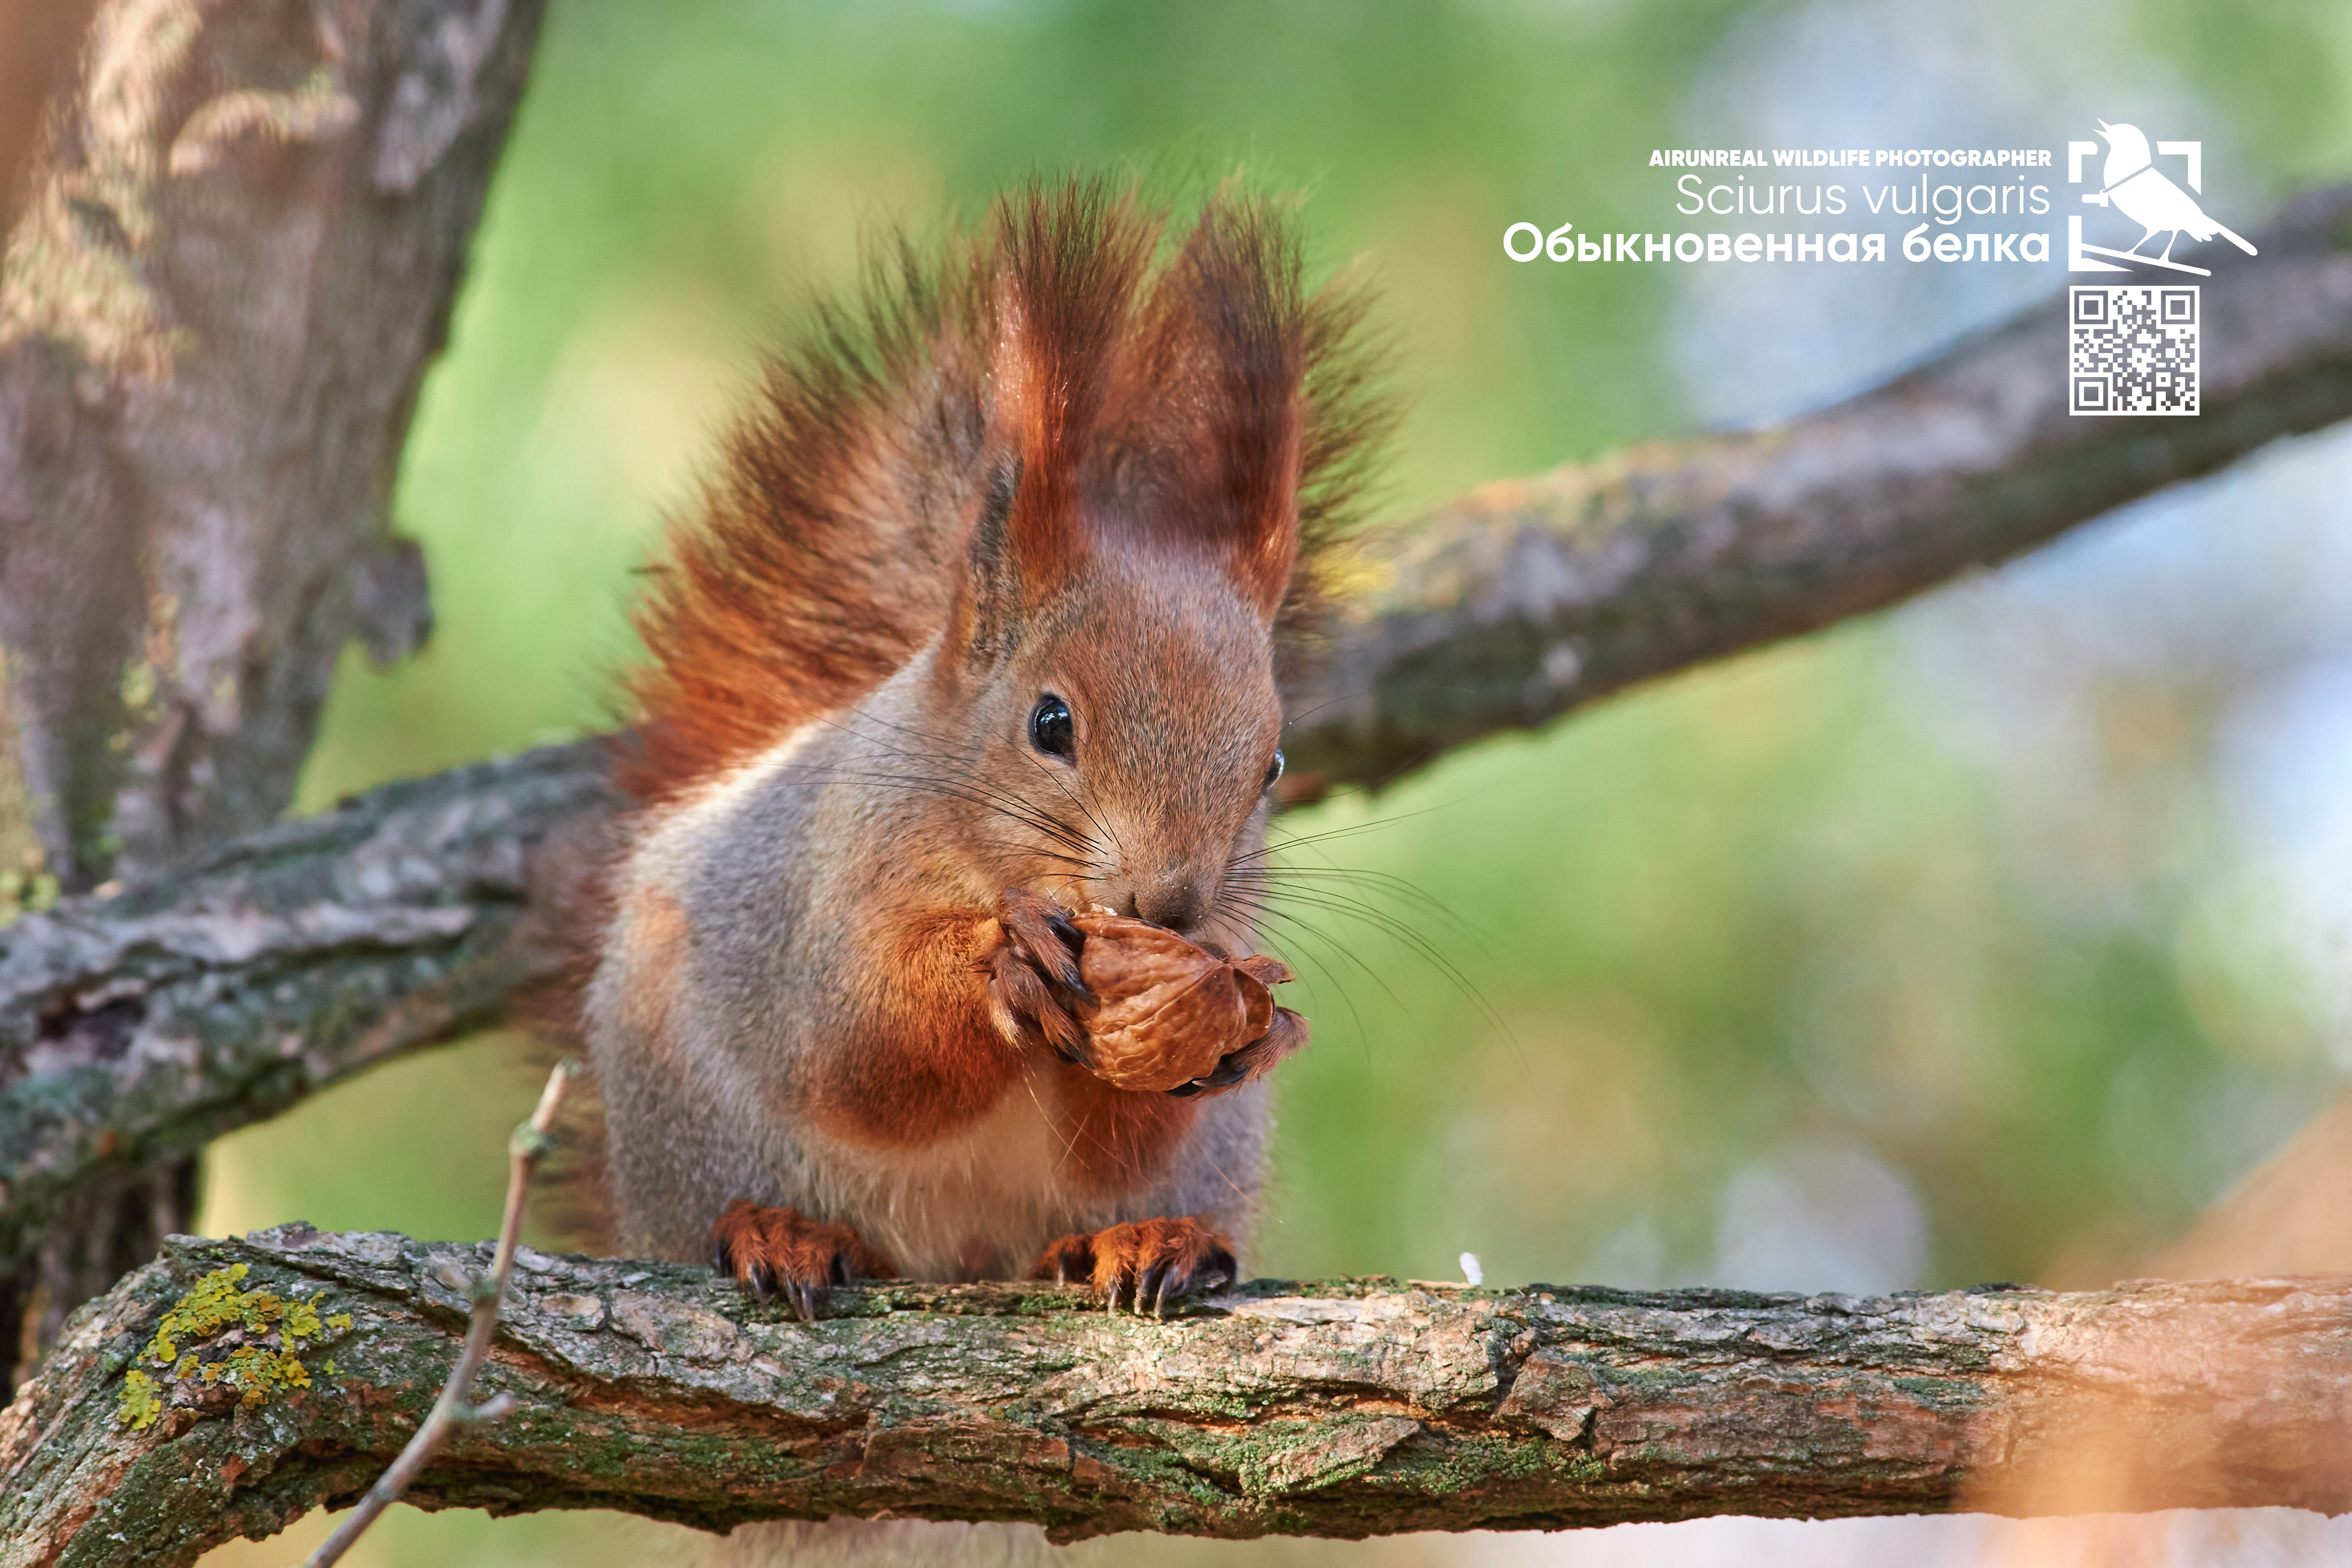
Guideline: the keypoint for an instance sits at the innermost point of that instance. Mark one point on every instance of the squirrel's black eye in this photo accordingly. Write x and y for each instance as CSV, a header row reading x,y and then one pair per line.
x,y
1049,727
1273,770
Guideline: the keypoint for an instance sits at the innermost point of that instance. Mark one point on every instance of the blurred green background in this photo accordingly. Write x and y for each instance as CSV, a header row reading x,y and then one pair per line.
x,y
1992,939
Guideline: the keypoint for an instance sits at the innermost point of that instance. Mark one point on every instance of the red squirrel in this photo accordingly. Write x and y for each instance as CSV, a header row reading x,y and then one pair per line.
x,y
974,633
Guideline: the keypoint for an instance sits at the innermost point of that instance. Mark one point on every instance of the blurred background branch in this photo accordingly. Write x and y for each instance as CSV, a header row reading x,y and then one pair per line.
x,y
1347,1408
1529,598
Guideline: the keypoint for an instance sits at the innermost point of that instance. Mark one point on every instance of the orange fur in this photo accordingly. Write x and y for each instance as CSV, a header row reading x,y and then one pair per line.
x,y
932,1060
1118,1141
1151,1259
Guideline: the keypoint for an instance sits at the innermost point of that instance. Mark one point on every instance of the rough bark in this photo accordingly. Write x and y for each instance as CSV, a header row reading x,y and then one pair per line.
x,y
235,262
1346,1408
144,1025
1531,597
232,258
39,42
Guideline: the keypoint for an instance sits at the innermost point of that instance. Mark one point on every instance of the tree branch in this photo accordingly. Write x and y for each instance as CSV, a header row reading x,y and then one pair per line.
x,y
1532,597
144,1022
1346,1408
261,971
531,1143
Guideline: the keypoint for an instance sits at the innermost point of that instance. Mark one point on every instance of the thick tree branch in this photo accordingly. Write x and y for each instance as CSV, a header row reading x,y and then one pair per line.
x,y
531,1142
149,1022
225,989
1343,1409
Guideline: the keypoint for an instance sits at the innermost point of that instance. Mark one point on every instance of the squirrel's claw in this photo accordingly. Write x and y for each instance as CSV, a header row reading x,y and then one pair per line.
x,y
1153,1282
1031,1010
782,1251
1156,1259
1033,977
1041,932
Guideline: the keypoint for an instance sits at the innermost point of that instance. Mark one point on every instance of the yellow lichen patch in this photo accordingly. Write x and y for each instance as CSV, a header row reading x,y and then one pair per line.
x,y
243,1340
141,1403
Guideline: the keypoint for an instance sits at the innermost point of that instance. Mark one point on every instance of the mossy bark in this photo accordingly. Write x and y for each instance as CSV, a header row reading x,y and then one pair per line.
x,y
1346,1408
266,969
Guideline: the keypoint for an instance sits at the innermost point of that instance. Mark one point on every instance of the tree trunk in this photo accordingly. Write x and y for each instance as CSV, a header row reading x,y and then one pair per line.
x,y
234,256
1347,1408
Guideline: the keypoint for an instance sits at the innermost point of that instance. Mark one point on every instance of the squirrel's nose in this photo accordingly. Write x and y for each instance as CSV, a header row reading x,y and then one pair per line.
x,y
1176,902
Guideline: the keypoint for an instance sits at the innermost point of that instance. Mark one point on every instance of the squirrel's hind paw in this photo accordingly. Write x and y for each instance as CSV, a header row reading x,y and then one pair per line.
x,y
1154,1260
785,1251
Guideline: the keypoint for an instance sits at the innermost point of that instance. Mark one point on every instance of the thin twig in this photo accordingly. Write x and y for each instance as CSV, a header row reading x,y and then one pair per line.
x,y
531,1143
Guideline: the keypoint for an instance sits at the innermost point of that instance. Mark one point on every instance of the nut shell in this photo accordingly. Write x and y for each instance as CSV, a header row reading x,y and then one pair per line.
x,y
1165,1012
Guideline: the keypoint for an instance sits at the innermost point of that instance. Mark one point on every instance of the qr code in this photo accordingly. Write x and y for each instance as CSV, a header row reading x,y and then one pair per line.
x,y
2132,351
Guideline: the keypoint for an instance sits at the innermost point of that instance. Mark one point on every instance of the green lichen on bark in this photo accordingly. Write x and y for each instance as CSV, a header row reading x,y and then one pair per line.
x,y
142,1401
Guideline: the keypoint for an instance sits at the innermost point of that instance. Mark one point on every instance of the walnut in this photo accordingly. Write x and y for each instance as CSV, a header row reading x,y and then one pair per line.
x,y
1167,1012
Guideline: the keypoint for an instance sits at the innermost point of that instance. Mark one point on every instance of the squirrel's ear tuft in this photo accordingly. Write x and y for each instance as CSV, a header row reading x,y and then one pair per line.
x,y
1202,401
1209,413
1241,272
1065,266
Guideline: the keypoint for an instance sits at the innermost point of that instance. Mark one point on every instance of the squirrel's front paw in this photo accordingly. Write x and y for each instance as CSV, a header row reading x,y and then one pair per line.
x,y
1155,1257
1032,975
782,1249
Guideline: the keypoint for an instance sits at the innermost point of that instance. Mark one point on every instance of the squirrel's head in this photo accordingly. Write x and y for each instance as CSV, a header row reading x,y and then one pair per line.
x,y
1122,751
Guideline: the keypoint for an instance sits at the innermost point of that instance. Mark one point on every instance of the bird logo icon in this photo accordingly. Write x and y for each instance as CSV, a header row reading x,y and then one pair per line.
x,y
2133,185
